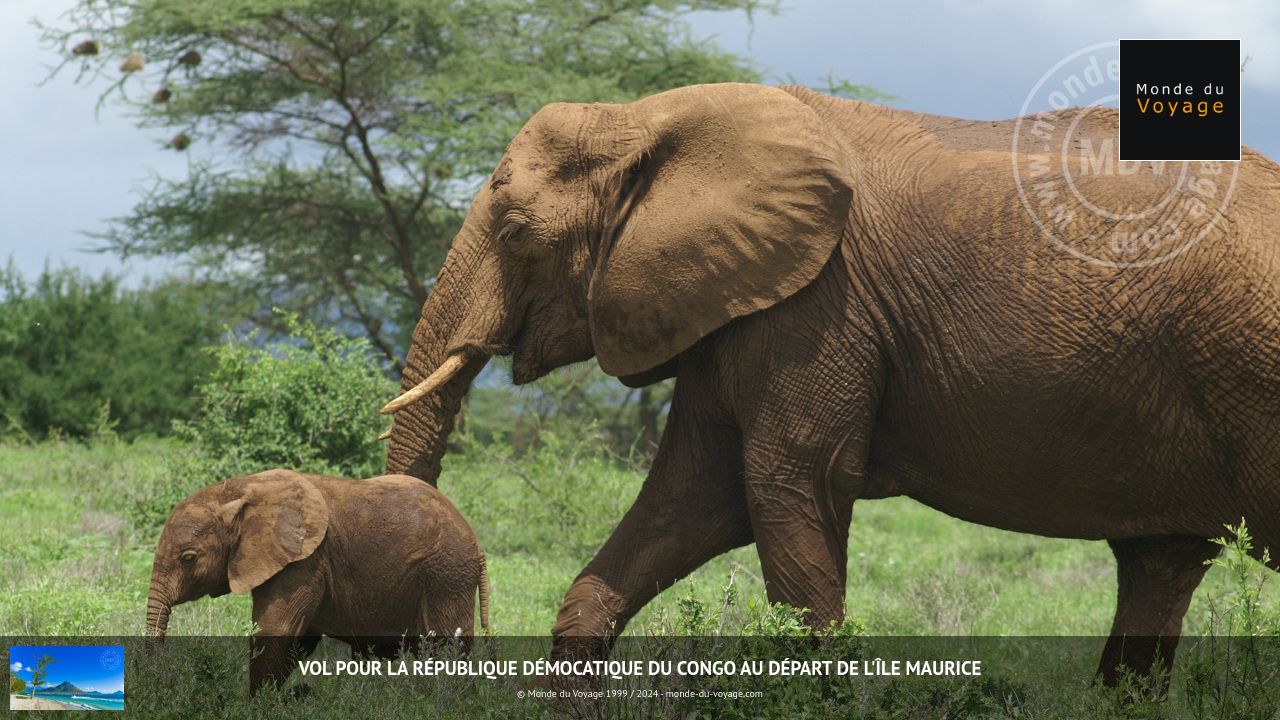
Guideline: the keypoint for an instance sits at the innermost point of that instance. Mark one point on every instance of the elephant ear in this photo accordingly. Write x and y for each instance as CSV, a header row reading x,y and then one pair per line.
x,y
733,200
276,517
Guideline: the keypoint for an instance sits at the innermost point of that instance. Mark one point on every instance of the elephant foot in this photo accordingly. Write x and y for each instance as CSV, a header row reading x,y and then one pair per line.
x,y
588,621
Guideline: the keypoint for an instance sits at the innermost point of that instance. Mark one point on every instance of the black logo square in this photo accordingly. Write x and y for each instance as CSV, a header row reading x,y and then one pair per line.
x,y
1179,99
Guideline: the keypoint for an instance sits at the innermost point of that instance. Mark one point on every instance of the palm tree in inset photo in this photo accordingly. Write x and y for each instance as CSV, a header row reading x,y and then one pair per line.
x,y
39,673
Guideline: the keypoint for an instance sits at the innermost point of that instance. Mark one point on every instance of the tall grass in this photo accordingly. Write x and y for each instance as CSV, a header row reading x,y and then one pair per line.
x,y
74,562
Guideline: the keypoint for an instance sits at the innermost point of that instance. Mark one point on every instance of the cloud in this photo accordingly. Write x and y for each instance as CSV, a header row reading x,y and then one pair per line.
x,y
1255,22
16,667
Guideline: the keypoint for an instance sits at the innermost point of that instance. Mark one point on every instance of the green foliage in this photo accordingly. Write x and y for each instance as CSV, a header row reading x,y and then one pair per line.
x,y
360,130
308,404
16,684
79,353
725,614
761,630
362,126
578,400
1244,609
775,619
570,496
189,678
72,563
1235,669
311,406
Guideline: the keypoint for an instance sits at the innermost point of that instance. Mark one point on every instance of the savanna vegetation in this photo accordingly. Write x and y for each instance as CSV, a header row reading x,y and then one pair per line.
x,y
334,144
75,348
357,130
79,520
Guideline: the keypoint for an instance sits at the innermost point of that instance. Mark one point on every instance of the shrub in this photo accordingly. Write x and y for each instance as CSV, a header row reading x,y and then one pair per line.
x,y
16,684
1233,669
564,493
71,344
573,400
309,403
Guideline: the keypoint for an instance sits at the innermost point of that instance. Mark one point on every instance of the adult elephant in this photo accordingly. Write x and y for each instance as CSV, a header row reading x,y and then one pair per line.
x,y
855,304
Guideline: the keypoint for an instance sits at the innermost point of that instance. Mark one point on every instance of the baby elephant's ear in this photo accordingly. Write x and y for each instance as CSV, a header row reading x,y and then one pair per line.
x,y
276,517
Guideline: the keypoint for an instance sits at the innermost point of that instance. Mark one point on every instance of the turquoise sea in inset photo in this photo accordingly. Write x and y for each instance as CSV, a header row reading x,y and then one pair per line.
x,y
74,677
90,702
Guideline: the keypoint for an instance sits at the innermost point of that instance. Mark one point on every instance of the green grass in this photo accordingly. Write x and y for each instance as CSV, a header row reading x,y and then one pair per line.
x,y
76,544
73,563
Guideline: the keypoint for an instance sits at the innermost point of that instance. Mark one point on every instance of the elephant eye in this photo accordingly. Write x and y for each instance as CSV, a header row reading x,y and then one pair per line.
x,y
188,557
509,233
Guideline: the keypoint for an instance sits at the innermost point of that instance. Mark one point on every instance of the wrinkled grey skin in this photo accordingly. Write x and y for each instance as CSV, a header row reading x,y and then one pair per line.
x,y
366,561
855,304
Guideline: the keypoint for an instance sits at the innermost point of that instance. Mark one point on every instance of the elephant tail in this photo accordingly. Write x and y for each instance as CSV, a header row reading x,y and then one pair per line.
x,y
483,592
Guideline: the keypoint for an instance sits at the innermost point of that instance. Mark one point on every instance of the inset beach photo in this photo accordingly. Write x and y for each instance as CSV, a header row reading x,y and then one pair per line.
x,y
66,677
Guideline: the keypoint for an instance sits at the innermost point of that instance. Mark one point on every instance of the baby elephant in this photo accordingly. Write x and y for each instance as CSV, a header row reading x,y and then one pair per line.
x,y
364,561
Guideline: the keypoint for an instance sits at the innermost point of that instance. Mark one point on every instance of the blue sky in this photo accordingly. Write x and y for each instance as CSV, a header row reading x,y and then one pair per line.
x,y
81,665
62,172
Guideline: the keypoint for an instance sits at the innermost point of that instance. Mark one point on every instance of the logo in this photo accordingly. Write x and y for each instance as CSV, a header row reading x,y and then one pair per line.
x,y
1082,196
1180,99
111,658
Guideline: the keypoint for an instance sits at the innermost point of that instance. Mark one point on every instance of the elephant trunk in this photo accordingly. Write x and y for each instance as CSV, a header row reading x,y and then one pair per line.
x,y
158,609
451,344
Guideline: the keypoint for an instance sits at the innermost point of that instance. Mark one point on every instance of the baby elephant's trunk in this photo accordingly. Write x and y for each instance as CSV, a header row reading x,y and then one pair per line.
x,y
157,615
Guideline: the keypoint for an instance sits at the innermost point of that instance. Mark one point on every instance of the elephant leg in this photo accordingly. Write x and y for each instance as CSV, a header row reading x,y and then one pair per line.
x,y
690,509
283,608
804,468
1156,578
301,650
274,658
801,527
449,615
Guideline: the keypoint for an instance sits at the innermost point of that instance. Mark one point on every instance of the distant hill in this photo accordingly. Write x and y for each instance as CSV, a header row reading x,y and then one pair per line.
x,y
95,693
62,688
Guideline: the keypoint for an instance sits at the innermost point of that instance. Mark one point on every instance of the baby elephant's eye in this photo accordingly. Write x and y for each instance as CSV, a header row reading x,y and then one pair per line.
x,y
188,557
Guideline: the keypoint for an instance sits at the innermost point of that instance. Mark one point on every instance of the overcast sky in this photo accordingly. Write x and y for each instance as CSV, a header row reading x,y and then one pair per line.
x,y
63,172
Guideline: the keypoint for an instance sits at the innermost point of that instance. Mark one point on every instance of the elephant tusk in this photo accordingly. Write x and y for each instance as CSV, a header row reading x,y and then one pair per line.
x,y
442,375
386,433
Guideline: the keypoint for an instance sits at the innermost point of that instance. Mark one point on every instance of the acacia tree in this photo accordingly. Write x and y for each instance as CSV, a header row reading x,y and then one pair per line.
x,y
335,142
